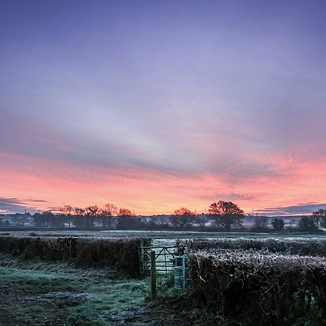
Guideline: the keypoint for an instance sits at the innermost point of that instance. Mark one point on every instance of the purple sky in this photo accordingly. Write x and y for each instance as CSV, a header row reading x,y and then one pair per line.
x,y
153,105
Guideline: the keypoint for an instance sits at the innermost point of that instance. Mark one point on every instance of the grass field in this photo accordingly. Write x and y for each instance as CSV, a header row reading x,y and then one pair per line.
x,y
162,235
43,293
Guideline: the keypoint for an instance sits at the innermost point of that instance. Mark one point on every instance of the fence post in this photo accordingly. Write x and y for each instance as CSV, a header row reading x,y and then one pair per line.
x,y
183,273
153,276
141,257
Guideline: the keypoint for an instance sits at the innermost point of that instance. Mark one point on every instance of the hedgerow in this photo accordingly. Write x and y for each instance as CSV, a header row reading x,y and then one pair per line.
x,y
301,247
115,253
261,288
262,281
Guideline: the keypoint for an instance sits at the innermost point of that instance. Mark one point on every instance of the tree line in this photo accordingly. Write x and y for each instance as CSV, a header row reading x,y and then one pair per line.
x,y
83,218
222,215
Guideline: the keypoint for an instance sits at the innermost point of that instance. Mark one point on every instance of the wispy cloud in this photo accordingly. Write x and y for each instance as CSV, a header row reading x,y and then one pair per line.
x,y
16,205
300,209
23,134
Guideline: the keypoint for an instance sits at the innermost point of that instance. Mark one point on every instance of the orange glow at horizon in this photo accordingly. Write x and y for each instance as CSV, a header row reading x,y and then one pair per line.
x,y
149,193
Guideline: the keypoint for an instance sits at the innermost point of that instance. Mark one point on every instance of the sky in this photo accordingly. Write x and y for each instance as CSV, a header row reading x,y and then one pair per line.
x,y
157,105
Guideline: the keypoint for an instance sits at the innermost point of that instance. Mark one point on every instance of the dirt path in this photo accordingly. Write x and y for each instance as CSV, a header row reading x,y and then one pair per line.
x,y
171,311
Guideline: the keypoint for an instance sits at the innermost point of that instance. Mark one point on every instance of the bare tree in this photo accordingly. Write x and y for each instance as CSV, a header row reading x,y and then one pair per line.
x,y
182,218
202,219
278,224
125,212
226,214
80,217
308,224
261,223
79,211
91,212
320,217
66,211
127,220
107,212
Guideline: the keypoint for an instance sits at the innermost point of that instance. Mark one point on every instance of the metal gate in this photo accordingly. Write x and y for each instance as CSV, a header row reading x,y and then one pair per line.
x,y
164,259
169,260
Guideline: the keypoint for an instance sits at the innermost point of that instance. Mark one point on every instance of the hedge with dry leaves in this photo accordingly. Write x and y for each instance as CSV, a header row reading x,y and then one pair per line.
x,y
261,288
114,253
299,246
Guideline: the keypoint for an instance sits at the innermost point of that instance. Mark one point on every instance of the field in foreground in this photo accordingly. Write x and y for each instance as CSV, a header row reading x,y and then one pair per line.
x,y
48,293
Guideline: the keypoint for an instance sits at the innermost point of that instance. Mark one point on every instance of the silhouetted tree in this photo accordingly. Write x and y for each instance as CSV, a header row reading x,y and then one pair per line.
x,y
127,220
57,220
261,223
308,224
42,219
80,218
278,224
202,220
226,214
48,219
107,213
38,220
182,218
19,219
90,213
125,212
320,216
67,211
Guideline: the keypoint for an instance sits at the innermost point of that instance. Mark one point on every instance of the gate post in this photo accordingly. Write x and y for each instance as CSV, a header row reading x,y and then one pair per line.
x,y
153,276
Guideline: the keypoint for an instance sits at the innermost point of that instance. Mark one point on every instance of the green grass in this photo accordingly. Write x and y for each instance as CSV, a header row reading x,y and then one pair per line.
x,y
43,293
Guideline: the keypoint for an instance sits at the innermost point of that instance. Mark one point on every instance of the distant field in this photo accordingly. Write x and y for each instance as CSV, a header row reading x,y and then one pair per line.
x,y
159,234
164,238
162,234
